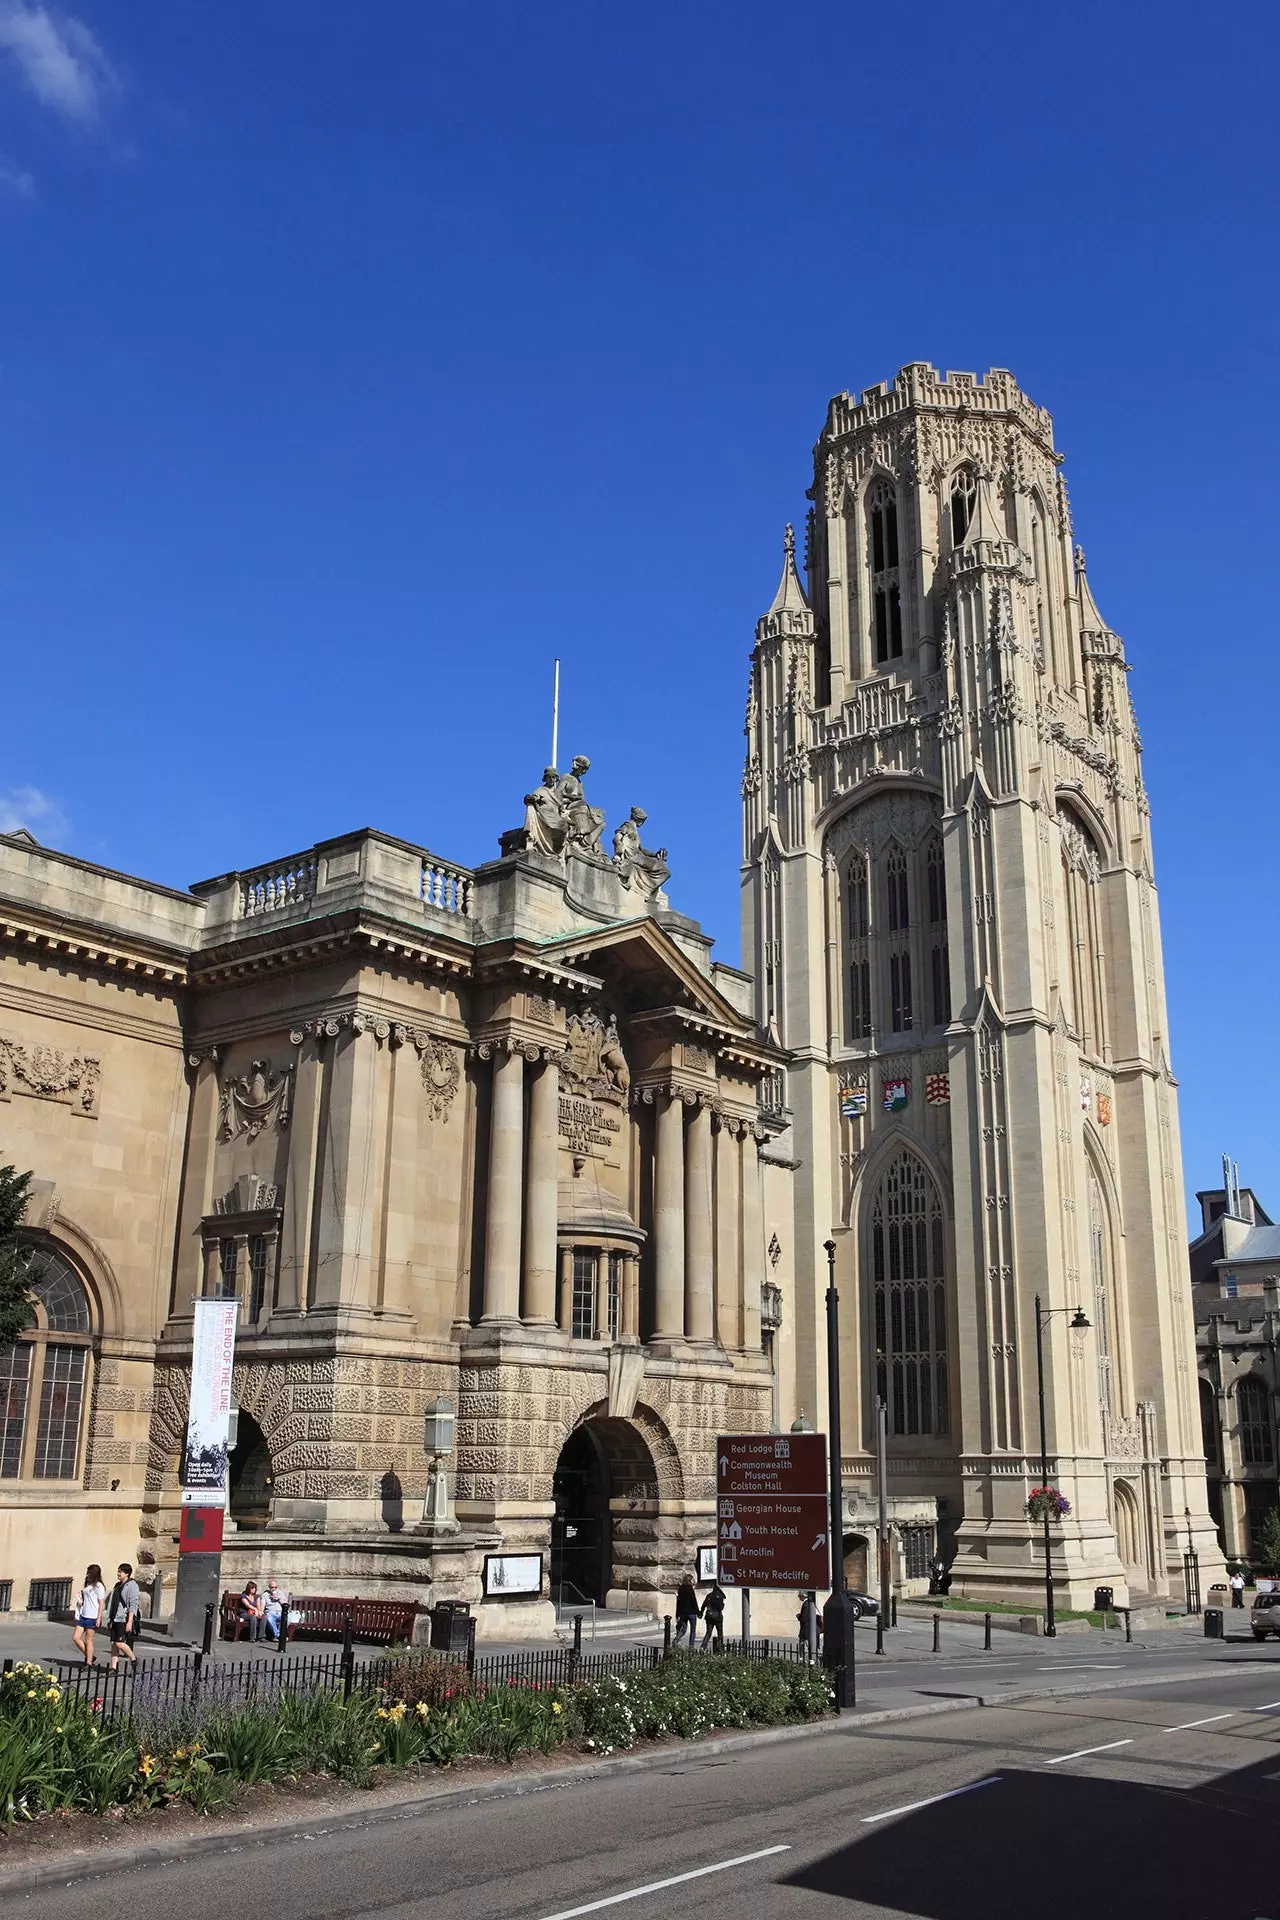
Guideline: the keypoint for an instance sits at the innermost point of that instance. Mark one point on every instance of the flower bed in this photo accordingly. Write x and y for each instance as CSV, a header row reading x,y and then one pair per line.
x,y
55,1753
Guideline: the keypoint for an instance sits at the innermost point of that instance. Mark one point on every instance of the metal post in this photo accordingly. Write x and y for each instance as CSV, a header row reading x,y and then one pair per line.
x,y
666,1635
986,1633
937,1633
206,1643
348,1656
893,1609
577,1645
471,1649
882,1515
746,1617
1128,1624
1050,1625
846,1676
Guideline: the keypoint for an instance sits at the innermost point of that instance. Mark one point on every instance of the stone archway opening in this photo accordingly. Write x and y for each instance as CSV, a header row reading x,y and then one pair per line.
x,y
605,1475
1129,1534
250,1475
857,1562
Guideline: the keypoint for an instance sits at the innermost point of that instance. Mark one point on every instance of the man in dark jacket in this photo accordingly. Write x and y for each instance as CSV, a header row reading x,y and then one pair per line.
x,y
687,1611
713,1618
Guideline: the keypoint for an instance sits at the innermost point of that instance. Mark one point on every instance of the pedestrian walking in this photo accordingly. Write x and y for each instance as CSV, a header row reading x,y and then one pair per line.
x,y
251,1610
810,1625
713,1618
89,1604
1236,1584
122,1616
687,1611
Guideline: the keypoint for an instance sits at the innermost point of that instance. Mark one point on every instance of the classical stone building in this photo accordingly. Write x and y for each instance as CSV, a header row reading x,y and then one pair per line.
x,y
950,913
1235,1280
510,1137
491,1135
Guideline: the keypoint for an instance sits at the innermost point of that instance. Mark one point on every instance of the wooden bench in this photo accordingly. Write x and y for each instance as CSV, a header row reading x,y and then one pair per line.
x,y
378,1622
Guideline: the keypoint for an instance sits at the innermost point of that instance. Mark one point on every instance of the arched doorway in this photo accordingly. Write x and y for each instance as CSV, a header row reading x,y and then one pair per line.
x,y
856,1562
250,1477
605,1468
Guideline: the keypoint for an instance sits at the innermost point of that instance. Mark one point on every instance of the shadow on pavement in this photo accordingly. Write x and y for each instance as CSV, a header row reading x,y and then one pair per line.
x,y
1052,1846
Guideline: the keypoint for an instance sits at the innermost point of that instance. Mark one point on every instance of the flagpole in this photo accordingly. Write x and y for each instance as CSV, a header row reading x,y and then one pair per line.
x,y
555,719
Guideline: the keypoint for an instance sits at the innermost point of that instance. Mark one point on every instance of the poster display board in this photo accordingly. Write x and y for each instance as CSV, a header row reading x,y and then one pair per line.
x,y
204,1473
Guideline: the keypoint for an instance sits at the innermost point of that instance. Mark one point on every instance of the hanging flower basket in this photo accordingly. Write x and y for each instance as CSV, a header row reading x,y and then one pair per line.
x,y
1047,1500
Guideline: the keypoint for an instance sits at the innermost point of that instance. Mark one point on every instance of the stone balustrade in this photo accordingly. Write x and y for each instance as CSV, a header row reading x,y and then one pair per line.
x,y
285,883
446,887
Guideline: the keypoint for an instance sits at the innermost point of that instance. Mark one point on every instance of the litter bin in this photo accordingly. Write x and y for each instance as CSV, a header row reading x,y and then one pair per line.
x,y
1213,1623
1104,1600
450,1626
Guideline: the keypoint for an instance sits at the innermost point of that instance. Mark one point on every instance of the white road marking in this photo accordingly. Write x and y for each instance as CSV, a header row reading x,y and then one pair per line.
x,y
1206,1722
1080,1752
657,1886
870,1819
1082,1666
1269,1708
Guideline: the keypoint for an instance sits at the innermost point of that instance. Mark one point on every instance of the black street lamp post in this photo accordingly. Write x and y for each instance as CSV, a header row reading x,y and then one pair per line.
x,y
838,1628
1079,1323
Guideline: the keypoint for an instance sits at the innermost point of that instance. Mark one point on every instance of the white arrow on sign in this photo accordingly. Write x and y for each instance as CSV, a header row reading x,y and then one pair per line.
x,y
821,1541
724,1463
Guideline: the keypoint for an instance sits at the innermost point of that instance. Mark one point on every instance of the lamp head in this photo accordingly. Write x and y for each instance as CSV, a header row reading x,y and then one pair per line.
x,y
1080,1321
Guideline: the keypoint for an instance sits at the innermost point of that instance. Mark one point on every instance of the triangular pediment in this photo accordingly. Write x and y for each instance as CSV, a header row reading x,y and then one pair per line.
x,y
647,952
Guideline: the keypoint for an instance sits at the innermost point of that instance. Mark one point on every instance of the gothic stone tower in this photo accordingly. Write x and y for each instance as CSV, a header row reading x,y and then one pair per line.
x,y
950,914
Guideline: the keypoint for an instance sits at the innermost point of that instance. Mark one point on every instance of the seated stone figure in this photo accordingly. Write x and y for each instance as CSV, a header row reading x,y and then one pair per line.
x,y
635,864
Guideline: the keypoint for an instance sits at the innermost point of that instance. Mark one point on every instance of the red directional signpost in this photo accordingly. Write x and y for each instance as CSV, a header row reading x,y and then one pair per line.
x,y
772,1510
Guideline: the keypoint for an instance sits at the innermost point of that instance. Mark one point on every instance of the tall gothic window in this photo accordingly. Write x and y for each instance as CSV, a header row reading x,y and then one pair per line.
x,y
1099,1266
886,597
1257,1448
939,961
1209,1423
1081,975
898,922
859,924
964,494
42,1377
909,1299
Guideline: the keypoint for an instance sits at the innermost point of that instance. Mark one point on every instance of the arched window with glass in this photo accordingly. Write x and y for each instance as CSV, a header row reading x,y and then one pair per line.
x,y
886,594
936,902
1253,1413
858,928
909,1299
898,931
44,1375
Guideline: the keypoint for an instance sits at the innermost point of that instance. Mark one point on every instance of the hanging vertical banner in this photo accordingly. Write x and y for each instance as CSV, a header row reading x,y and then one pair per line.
x,y
204,1474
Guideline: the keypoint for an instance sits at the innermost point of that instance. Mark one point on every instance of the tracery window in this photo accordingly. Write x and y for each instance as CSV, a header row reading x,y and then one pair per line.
x,y
1081,982
909,1303
898,922
939,959
964,494
859,932
1257,1447
42,1377
1102,1303
886,597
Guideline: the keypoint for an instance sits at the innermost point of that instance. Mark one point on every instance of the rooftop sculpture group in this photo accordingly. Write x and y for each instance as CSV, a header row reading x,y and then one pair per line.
x,y
559,820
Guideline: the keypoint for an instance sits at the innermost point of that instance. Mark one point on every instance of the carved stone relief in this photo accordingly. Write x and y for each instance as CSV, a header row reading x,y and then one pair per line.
x,y
594,1065
253,1101
907,818
49,1074
441,1073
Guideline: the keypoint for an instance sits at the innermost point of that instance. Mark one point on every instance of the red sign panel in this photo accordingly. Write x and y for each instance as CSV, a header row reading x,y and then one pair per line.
x,y
201,1530
771,1510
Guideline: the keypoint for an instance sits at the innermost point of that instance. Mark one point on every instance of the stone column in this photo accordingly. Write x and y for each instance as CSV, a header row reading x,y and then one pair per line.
x,y
565,1315
394,1288
502,1223
602,1295
348,1237
752,1243
698,1246
542,1197
728,1237
631,1296
668,1218
197,1191
300,1177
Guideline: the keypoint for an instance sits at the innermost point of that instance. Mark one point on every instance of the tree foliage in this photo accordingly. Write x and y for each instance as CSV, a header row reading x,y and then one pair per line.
x,y
15,1257
1269,1542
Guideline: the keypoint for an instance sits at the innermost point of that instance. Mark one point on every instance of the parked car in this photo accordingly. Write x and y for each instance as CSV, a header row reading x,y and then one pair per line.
x,y
865,1603
1264,1616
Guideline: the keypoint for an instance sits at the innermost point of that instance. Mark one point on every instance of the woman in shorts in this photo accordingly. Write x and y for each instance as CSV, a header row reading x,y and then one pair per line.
x,y
89,1604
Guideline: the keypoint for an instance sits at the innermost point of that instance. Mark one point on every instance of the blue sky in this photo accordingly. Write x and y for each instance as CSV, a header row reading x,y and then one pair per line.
x,y
354,361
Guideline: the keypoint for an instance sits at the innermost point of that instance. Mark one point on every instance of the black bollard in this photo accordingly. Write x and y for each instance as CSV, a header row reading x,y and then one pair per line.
x,y
666,1635
937,1633
986,1632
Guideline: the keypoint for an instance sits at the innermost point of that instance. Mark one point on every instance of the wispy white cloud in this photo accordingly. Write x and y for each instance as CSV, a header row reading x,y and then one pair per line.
x,y
38,812
17,181
58,58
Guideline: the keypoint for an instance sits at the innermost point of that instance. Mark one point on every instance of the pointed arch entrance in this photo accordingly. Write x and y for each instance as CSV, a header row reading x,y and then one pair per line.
x,y
605,1467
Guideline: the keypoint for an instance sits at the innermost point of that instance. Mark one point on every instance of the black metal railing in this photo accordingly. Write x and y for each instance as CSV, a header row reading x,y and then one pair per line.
x,y
162,1683
49,1596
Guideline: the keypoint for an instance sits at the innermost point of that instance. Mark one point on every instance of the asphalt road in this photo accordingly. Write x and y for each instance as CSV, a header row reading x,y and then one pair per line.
x,y
1160,1801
